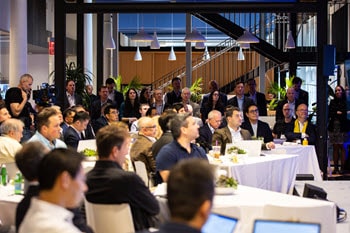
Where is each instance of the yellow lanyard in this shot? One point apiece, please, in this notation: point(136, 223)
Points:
point(297, 127)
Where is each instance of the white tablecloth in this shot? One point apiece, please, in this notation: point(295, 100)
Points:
point(270, 172)
point(8, 204)
point(307, 162)
point(248, 204)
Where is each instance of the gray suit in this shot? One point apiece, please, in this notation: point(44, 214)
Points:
point(223, 136)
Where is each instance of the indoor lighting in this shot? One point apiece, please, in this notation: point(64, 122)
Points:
point(247, 37)
point(194, 36)
point(142, 36)
point(199, 45)
point(172, 56)
point(108, 42)
point(206, 55)
point(290, 44)
point(240, 55)
point(155, 43)
point(138, 56)
point(244, 45)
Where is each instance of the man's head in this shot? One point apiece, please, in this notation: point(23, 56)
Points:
point(176, 83)
point(234, 117)
point(184, 125)
point(48, 124)
point(4, 113)
point(302, 112)
point(113, 143)
point(190, 191)
point(143, 109)
point(165, 118)
point(70, 87)
point(89, 88)
point(80, 121)
point(28, 159)
point(239, 89)
point(297, 83)
point(158, 95)
point(110, 85)
point(68, 116)
point(58, 111)
point(179, 107)
point(186, 94)
point(62, 178)
point(290, 94)
point(111, 113)
point(147, 126)
point(252, 112)
point(287, 113)
point(26, 82)
point(251, 85)
point(214, 119)
point(12, 128)
point(103, 93)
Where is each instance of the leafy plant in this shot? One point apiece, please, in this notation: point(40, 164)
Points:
point(134, 83)
point(118, 82)
point(196, 90)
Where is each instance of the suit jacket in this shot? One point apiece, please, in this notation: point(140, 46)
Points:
point(246, 102)
point(99, 123)
point(71, 138)
point(172, 98)
point(310, 130)
point(95, 108)
point(118, 98)
point(303, 96)
point(223, 136)
point(108, 183)
point(260, 102)
point(141, 150)
point(205, 137)
point(263, 130)
point(78, 101)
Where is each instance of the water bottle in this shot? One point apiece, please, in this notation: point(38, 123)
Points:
point(18, 183)
point(4, 176)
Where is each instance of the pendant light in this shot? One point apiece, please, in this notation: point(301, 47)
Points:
point(108, 41)
point(138, 56)
point(247, 37)
point(155, 43)
point(141, 36)
point(240, 55)
point(172, 56)
point(290, 43)
point(199, 45)
point(244, 45)
point(206, 55)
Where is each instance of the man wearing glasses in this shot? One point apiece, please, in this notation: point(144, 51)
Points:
point(281, 126)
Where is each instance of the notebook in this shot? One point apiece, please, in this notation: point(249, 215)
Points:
point(271, 226)
point(86, 144)
point(219, 223)
point(251, 147)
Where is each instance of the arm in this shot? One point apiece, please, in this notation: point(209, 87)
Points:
point(164, 174)
point(16, 108)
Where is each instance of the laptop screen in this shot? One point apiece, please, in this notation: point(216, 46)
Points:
point(270, 226)
point(219, 223)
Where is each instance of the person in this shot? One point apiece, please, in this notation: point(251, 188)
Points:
point(158, 101)
point(337, 127)
point(88, 133)
point(207, 130)
point(68, 116)
point(291, 100)
point(48, 129)
point(300, 94)
point(302, 127)
point(143, 112)
point(186, 100)
point(89, 91)
point(258, 97)
point(258, 128)
point(280, 126)
point(110, 115)
point(145, 96)
point(16, 99)
point(232, 132)
point(129, 110)
point(175, 95)
point(71, 98)
point(185, 130)
point(4, 113)
point(73, 134)
point(62, 185)
point(214, 86)
point(240, 100)
point(114, 95)
point(190, 193)
point(109, 184)
point(214, 102)
point(98, 104)
point(11, 135)
point(141, 149)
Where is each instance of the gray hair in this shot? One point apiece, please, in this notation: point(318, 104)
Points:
point(177, 122)
point(11, 125)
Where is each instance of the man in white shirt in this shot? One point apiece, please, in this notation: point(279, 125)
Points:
point(11, 134)
point(62, 185)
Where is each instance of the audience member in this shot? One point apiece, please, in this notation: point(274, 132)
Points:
point(281, 126)
point(207, 130)
point(213, 86)
point(129, 110)
point(175, 95)
point(68, 116)
point(232, 132)
point(240, 100)
point(158, 101)
point(145, 96)
point(109, 184)
point(179, 107)
point(17, 103)
point(152, 112)
point(62, 185)
point(213, 102)
point(185, 130)
point(88, 133)
point(74, 132)
point(291, 100)
point(186, 100)
point(11, 135)
point(300, 94)
point(110, 115)
point(114, 95)
point(143, 109)
point(89, 91)
point(4, 113)
point(258, 97)
point(48, 129)
point(71, 98)
point(337, 126)
point(98, 104)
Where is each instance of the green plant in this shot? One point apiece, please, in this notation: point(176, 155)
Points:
point(196, 90)
point(118, 82)
point(134, 83)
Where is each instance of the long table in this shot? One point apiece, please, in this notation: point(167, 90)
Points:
point(8, 204)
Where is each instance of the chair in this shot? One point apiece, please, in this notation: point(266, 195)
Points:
point(109, 218)
point(140, 169)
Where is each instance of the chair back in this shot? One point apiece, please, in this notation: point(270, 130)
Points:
point(109, 218)
point(140, 169)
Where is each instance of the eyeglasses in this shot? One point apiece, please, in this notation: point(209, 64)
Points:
point(254, 111)
point(286, 109)
point(113, 112)
point(216, 94)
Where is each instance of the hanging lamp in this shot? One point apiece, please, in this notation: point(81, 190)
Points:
point(138, 56)
point(290, 43)
point(240, 55)
point(108, 41)
point(247, 37)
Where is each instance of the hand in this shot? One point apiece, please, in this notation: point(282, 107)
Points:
point(339, 112)
point(24, 96)
point(270, 145)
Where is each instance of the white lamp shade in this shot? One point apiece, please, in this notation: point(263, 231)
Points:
point(206, 55)
point(194, 36)
point(155, 43)
point(247, 37)
point(138, 56)
point(199, 45)
point(240, 55)
point(245, 45)
point(108, 42)
point(142, 36)
point(172, 56)
point(290, 43)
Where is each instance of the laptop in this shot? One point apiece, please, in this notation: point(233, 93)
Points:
point(251, 147)
point(219, 223)
point(272, 226)
point(86, 144)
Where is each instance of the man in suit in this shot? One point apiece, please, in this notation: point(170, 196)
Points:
point(71, 98)
point(109, 184)
point(115, 96)
point(258, 97)
point(175, 95)
point(291, 100)
point(110, 115)
point(74, 132)
point(258, 128)
point(207, 130)
point(280, 126)
point(240, 100)
point(96, 106)
point(232, 132)
point(300, 94)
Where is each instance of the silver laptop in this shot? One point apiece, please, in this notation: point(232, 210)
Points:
point(272, 226)
point(219, 223)
point(251, 147)
point(86, 144)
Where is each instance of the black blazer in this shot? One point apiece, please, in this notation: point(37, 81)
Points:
point(71, 138)
point(261, 103)
point(95, 108)
point(310, 130)
point(118, 98)
point(78, 101)
point(172, 98)
point(263, 130)
point(205, 137)
point(279, 111)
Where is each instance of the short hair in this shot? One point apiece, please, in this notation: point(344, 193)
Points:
point(213, 113)
point(108, 137)
point(67, 112)
point(81, 116)
point(110, 81)
point(175, 79)
point(143, 104)
point(25, 77)
point(28, 159)
point(297, 80)
point(251, 80)
point(55, 163)
point(190, 184)
point(246, 109)
point(180, 120)
point(229, 112)
point(2, 104)
point(177, 106)
point(239, 82)
point(108, 108)
point(11, 124)
point(165, 118)
point(144, 122)
point(70, 80)
point(43, 117)
point(149, 111)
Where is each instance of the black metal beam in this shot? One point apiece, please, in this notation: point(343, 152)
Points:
point(80, 40)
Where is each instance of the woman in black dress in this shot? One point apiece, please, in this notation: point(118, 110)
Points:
point(129, 109)
point(214, 103)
